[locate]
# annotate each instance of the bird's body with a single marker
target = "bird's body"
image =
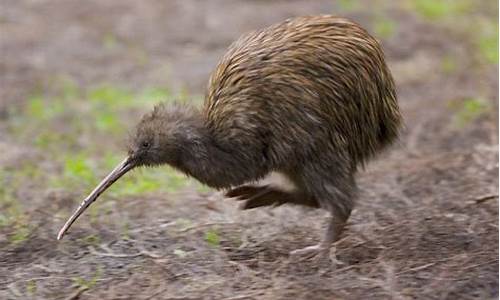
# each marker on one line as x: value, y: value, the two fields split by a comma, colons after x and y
x: 311, y: 92
x: 295, y: 88
x: 311, y: 98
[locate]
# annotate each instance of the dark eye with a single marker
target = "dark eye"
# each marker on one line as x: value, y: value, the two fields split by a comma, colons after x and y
x: 145, y: 144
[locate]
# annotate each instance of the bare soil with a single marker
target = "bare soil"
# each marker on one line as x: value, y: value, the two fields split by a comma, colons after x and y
x: 426, y: 223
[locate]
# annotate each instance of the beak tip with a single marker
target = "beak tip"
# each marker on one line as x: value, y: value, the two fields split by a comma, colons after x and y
x: 121, y: 169
x: 60, y: 235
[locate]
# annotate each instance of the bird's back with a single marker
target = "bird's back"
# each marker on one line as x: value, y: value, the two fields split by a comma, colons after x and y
x: 317, y: 83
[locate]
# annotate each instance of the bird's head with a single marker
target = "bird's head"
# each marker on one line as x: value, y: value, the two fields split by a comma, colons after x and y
x: 161, y: 137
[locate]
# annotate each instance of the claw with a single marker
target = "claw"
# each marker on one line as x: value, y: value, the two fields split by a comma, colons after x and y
x: 320, y: 254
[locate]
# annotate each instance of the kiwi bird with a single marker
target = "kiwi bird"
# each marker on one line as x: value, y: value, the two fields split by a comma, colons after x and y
x: 311, y: 98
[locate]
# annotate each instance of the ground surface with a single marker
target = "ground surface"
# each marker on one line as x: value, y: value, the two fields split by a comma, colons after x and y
x: 75, y: 76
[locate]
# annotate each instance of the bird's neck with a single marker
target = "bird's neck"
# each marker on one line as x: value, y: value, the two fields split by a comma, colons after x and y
x: 204, y: 160
x: 210, y: 161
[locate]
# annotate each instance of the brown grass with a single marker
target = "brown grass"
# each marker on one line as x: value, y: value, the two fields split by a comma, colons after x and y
x: 426, y: 224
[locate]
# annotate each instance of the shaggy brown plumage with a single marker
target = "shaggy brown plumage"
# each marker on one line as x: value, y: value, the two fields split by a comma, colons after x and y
x: 311, y: 98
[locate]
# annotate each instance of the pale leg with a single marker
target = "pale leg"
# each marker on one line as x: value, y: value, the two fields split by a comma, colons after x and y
x: 322, y: 250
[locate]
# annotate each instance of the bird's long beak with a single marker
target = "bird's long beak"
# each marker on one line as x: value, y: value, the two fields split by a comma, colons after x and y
x: 125, y: 166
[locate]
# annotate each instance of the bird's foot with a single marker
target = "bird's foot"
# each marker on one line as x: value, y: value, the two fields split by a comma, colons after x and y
x: 316, y: 251
x: 319, y: 253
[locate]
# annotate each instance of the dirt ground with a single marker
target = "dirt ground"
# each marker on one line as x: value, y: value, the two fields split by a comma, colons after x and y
x: 426, y: 222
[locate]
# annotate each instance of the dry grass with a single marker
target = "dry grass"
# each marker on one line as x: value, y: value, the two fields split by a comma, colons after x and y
x: 426, y: 224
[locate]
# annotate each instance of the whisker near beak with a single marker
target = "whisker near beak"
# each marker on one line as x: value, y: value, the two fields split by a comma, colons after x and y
x: 122, y: 168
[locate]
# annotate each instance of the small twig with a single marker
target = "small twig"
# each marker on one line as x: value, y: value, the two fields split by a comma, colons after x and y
x: 77, y: 293
x: 344, y: 269
x: 161, y: 291
x: 45, y: 278
x: 38, y: 279
x: 111, y: 254
x: 481, y: 264
x: 485, y: 198
x: 244, y: 296
x: 143, y: 229
x: 244, y: 269
x: 47, y: 269
x: 199, y: 226
x: 416, y: 268
x: 145, y: 252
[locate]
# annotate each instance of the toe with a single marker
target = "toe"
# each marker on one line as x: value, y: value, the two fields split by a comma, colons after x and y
x: 307, y: 252
x: 319, y: 254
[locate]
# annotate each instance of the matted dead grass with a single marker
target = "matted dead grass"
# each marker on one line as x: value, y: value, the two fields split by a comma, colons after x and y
x: 426, y: 224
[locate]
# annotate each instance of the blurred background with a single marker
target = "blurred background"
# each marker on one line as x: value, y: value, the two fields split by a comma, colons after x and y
x: 75, y: 77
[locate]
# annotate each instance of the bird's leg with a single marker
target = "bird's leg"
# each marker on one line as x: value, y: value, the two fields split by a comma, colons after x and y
x: 334, y: 188
x: 322, y: 250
